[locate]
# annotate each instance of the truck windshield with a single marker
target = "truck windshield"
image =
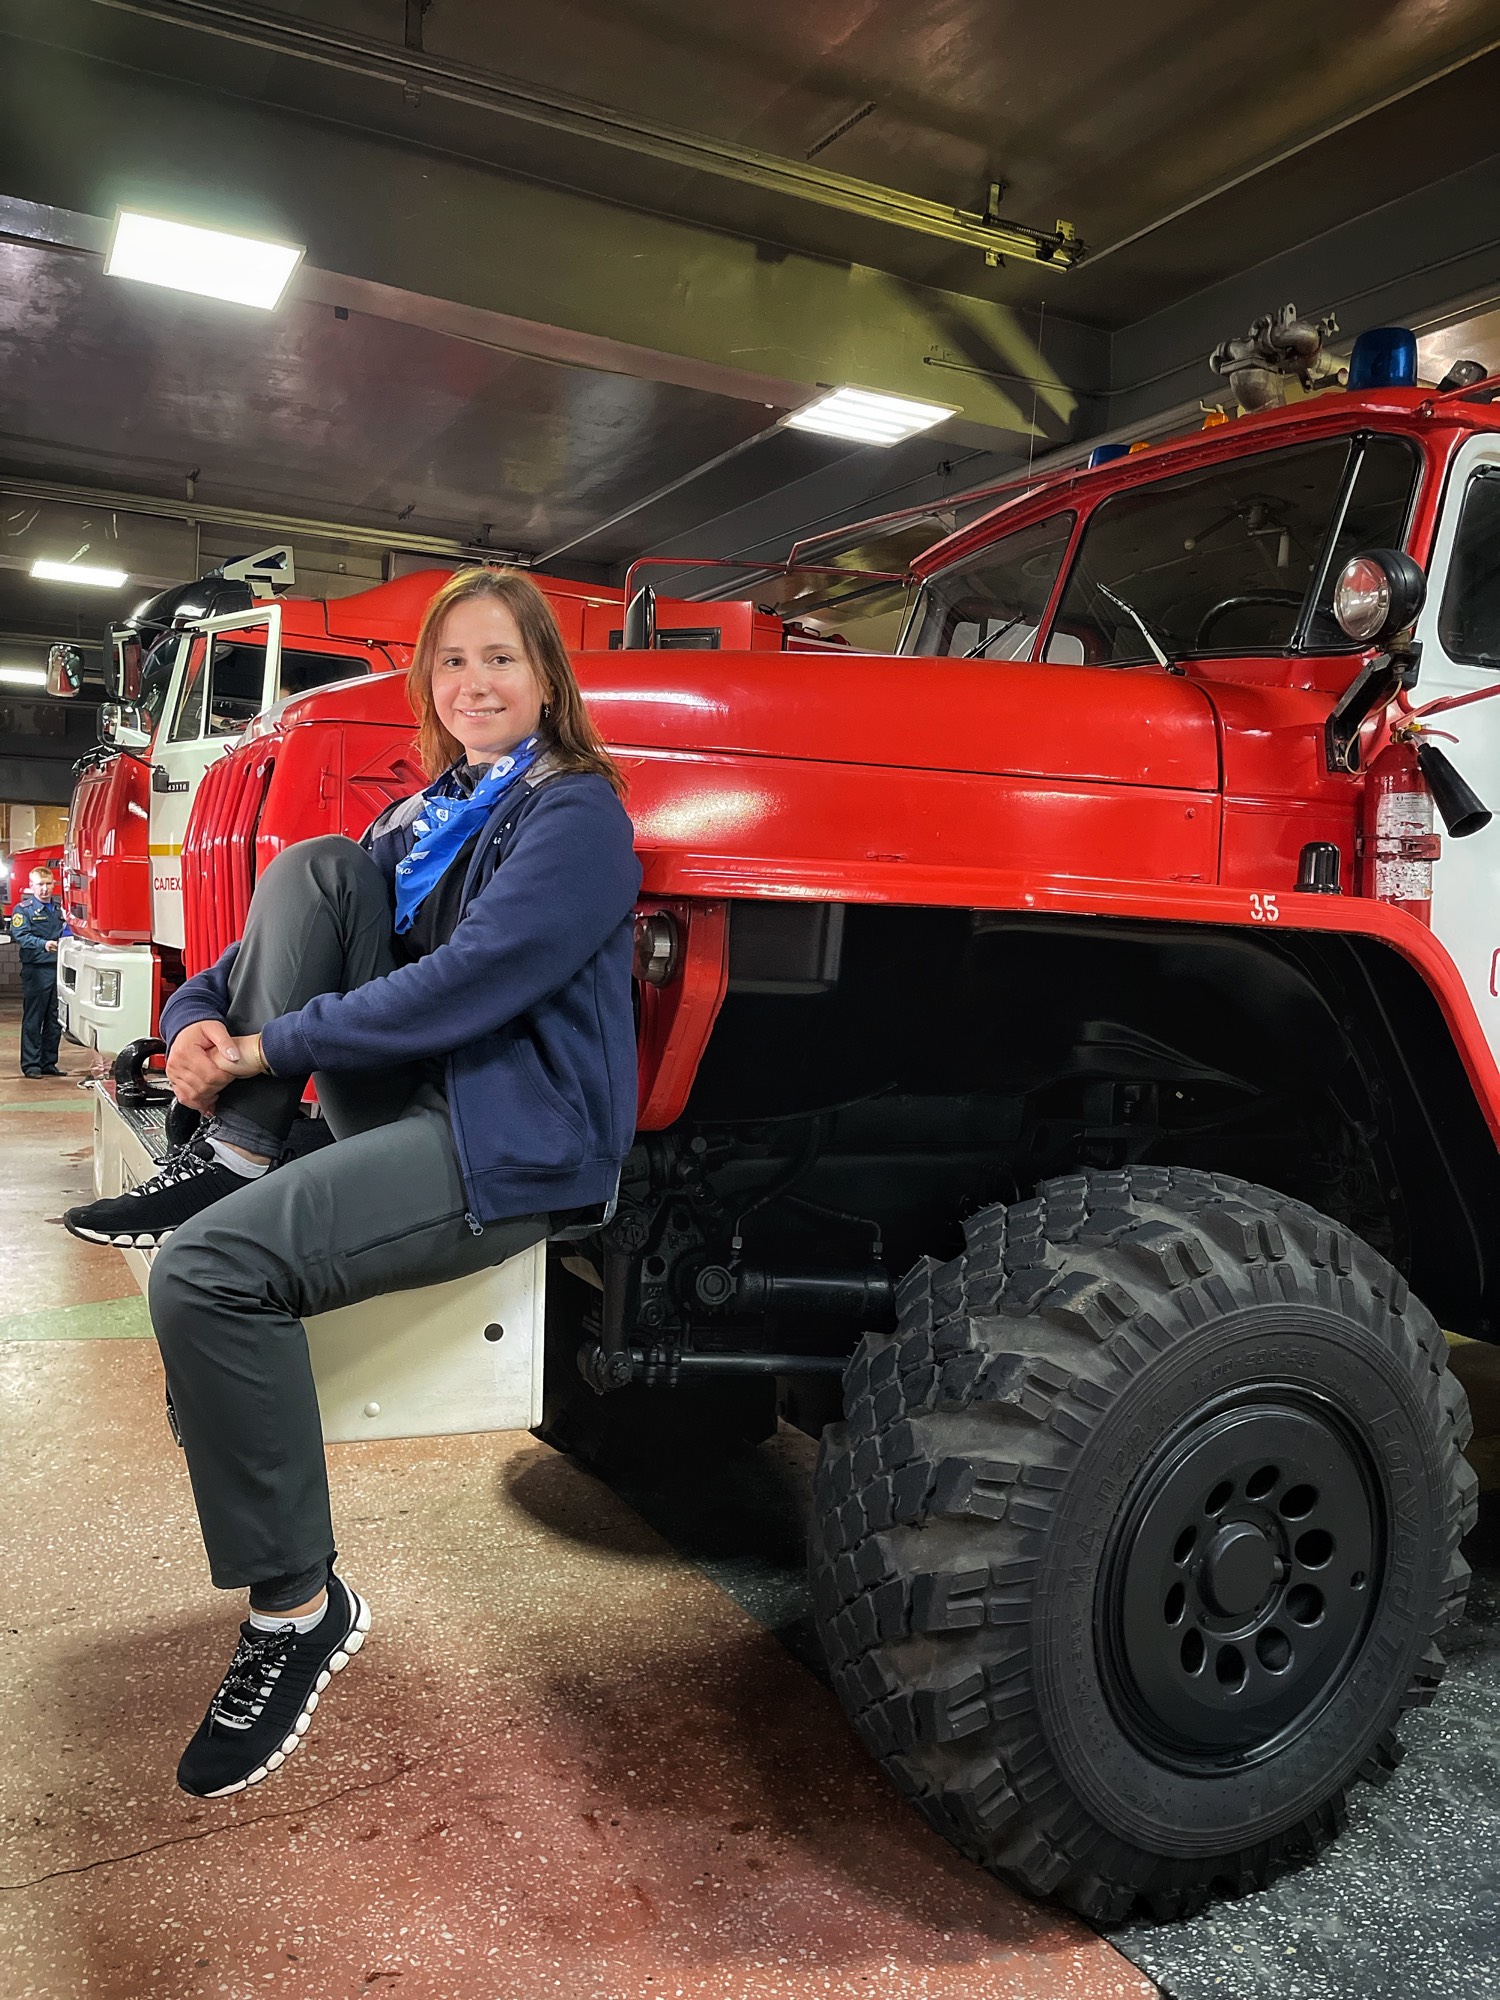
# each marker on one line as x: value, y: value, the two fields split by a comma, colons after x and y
x: 1469, y: 623
x: 990, y: 608
x: 1226, y: 558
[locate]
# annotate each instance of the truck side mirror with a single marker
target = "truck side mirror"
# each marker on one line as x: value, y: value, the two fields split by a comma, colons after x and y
x: 1378, y: 594
x: 121, y: 724
x: 122, y: 664
x: 64, y: 670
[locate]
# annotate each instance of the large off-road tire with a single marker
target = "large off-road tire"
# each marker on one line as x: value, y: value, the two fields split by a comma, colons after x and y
x: 1139, y: 1533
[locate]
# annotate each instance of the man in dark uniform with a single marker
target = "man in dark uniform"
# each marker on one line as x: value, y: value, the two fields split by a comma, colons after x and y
x: 35, y: 929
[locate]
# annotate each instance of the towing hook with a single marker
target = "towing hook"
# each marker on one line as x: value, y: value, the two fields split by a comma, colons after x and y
x: 605, y: 1372
x: 129, y: 1070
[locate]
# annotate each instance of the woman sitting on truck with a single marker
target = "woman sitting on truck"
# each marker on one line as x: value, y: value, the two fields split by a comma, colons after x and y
x: 459, y: 984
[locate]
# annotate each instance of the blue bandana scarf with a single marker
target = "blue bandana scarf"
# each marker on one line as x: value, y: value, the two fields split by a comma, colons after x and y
x: 446, y: 822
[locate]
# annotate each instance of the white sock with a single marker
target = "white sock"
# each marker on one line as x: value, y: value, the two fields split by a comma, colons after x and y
x: 250, y: 1170
x: 272, y: 1621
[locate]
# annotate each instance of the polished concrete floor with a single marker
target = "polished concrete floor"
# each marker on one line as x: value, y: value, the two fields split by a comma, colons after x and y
x: 572, y: 1760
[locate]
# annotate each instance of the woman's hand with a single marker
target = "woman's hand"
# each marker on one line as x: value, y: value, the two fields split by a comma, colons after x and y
x: 204, y: 1057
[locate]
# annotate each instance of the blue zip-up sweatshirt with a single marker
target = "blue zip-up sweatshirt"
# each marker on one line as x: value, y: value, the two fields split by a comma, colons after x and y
x: 529, y: 1001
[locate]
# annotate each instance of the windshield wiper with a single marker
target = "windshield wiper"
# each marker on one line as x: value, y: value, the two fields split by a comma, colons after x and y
x: 985, y: 644
x: 1138, y: 621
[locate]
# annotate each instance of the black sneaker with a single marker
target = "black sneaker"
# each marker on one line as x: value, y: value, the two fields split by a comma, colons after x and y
x: 266, y: 1700
x: 145, y: 1216
x: 52, y: 1072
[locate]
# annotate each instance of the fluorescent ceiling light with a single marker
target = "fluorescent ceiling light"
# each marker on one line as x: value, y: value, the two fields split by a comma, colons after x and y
x: 61, y: 572
x: 210, y: 263
x: 864, y: 416
x: 24, y: 677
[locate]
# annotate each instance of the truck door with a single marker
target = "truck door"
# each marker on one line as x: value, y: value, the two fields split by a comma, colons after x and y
x: 1460, y: 634
x: 226, y: 673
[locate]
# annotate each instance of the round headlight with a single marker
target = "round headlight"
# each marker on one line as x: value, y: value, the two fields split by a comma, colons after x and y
x: 1362, y: 599
x: 1379, y: 592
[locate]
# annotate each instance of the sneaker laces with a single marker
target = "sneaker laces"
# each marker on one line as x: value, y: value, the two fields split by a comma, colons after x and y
x: 253, y: 1673
x: 186, y: 1164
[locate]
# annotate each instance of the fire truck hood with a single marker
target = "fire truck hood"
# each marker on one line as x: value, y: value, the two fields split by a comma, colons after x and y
x: 1113, y: 725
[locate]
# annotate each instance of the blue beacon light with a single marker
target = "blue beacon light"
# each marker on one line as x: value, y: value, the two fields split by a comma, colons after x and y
x: 1104, y: 454
x: 1384, y: 357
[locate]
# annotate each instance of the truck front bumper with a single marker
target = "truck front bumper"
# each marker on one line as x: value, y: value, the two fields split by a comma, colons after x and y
x: 104, y: 993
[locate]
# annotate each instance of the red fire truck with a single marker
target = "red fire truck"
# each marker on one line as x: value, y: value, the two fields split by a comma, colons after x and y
x: 15, y: 871
x: 1068, y: 1084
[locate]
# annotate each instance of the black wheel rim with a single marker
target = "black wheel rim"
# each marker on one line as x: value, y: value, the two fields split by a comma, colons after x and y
x: 1240, y: 1579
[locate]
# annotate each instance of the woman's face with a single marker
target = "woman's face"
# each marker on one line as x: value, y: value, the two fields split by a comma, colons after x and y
x: 484, y: 688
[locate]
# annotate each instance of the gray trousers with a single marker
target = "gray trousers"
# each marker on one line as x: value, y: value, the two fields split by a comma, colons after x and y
x: 383, y: 1210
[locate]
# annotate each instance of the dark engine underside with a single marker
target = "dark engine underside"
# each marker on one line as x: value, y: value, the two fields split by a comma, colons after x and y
x: 877, y: 1075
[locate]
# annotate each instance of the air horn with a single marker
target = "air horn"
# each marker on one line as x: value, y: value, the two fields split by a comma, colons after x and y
x: 1463, y: 811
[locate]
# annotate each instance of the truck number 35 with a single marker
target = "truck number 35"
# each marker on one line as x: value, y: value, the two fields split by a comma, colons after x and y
x: 1263, y: 910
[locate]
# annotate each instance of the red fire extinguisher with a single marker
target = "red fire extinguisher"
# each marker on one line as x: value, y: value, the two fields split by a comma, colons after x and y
x: 1398, y: 844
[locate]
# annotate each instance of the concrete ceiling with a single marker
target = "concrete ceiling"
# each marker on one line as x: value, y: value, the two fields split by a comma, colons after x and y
x: 508, y: 334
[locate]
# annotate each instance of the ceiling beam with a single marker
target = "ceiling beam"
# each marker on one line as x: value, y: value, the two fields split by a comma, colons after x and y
x: 273, y: 527
x: 462, y: 247
x: 331, y: 47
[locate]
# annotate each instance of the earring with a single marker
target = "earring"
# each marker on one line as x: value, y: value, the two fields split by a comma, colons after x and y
x: 546, y: 710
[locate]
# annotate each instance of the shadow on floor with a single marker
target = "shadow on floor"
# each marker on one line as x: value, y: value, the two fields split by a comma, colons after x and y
x: 740, y: 1518
x: 1406, y: 1906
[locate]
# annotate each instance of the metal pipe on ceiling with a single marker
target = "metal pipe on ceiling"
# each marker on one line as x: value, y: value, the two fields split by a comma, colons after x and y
x: 461, y: 83
x: 197, y: 513
x: 658, y: 493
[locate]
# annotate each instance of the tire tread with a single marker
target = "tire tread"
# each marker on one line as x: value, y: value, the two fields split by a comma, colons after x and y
x: 968, y: 1418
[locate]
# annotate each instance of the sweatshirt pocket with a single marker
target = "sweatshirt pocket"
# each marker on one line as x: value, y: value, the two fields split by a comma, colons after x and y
x: 553, y: 1105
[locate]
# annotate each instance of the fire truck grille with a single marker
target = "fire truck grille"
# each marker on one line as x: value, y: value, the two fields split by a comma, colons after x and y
x: 218, y: 879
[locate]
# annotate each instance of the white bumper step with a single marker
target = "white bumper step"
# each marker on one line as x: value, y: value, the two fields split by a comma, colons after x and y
x: 423, y: 1363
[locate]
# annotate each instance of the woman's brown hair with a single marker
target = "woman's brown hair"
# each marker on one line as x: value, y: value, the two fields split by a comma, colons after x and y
x: 567, y: 728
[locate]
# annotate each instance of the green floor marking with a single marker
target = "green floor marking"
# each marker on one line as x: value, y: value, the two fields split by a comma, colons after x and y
x: 111, y: 1319
x: 78, y: 1103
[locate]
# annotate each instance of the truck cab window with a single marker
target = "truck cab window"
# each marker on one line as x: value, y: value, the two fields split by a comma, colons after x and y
x: 187, y: 717
x: 990, y: 608
x: 1469, y: 622
x: 1219, y: 560
x: 221, y: 689
x: 300, y: 672
x: 236, y: 679
x: 223, y: 699
x: 156, y: 677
